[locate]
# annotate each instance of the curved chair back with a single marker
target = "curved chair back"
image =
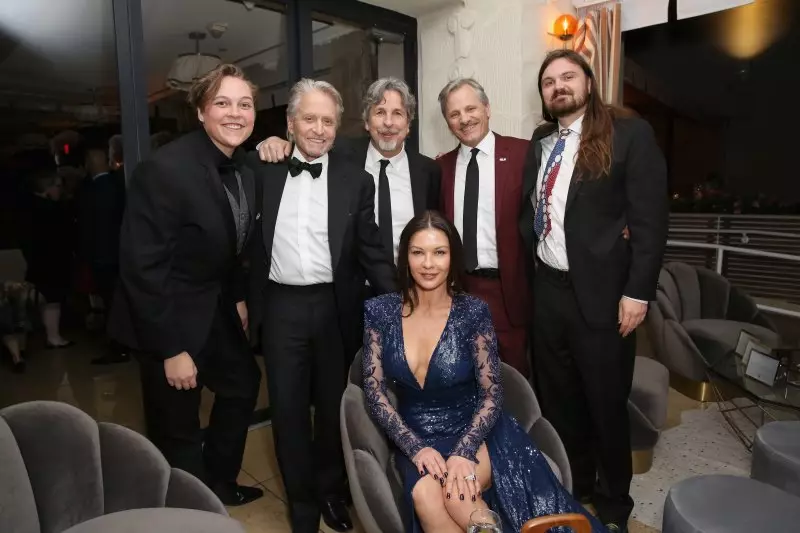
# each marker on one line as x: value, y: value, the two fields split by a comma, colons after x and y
x: 60, y: 468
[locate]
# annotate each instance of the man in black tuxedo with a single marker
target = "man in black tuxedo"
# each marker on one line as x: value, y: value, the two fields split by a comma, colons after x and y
x: 180, y: 302
x: 318, y: 239
x: 406, y: 182
x: 589, y: 173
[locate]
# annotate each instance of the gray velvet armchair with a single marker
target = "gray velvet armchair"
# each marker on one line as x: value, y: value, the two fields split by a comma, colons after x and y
x: 60, y: 471
x: 697, y: 318
x: 376, y: 486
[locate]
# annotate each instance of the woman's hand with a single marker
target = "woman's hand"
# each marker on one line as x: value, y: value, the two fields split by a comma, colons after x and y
x: 462, y: 478
x: 432, y: 461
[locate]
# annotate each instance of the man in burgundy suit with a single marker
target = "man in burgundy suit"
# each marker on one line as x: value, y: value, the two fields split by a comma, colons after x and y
x: 481, y: 191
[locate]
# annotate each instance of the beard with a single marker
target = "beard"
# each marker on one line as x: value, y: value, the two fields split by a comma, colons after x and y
x: 388, y: 146
x: 566, y: 106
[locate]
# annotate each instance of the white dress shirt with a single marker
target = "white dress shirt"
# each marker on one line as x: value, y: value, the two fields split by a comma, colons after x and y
x: 552, y: 250
x: 301, y: 254
x: 399, y: 190
x: 487, y: 229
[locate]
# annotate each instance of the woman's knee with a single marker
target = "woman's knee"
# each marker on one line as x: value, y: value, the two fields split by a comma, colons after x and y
x: 427, y: 498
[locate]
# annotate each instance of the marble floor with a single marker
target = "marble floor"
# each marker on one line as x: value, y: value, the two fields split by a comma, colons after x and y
x: 112, y: 393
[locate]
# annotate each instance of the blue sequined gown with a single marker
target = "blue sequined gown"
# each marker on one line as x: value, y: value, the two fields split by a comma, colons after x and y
x: 458, y: 407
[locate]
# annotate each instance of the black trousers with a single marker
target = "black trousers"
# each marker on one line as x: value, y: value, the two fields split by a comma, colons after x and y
x: 304, y: 357
x: 172, y: 416
x: 583, y: 379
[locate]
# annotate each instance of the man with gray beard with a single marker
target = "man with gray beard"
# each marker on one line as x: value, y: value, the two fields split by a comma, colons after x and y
x: 406, y: 182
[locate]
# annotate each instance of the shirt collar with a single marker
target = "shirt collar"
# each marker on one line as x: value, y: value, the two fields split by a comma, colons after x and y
x: 374, y: 156
x: 219, y: 159
x: 322, y: 159
x: 575, y: 127
x: 486, y: 146
x: 99, y: 174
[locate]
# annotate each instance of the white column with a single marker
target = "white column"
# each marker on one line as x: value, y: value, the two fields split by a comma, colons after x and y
x: 501, y: 43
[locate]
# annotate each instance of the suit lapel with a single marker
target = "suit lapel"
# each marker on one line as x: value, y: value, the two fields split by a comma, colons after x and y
x: 338, y: 208
x: 419, y: 187
x: 273, y: 179
x: 448, y: 166
x: 214, y: 182
x: 574, y: 186
x: 501, y: 164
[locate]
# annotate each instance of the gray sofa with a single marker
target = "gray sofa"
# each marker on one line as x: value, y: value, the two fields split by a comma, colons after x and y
x: 374, y: 482
x: 697, y: 317
x: 64, y: 472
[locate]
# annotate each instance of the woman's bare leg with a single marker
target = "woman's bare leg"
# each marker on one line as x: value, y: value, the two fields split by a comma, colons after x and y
x: 460, y: 510
x: 430, y: 507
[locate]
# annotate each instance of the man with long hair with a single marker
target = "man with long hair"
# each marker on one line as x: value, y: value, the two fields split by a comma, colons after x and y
x: 591, y: 171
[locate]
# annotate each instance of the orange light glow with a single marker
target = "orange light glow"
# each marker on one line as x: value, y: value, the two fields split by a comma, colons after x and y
x: 565, y: 26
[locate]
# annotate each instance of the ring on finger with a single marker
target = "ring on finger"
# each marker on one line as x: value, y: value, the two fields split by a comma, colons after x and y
x: 471, y: 477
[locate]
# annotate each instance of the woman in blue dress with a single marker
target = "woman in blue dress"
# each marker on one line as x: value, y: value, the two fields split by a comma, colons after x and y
x: 457, y: 450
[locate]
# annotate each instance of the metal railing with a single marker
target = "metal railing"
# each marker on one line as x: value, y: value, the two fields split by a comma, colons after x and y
x: 757, y: 253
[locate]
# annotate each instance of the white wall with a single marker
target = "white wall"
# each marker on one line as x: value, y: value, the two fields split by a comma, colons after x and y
x: 504, y: 48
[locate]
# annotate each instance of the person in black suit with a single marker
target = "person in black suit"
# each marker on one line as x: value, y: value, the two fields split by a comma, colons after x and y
x: 318, y: 241
x: 101, y: 202
x: 589, y: 173
x: 182, y: 298
x: 407, y: 183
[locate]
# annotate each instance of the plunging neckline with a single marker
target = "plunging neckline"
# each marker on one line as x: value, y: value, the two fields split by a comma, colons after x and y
x: 424, y: 384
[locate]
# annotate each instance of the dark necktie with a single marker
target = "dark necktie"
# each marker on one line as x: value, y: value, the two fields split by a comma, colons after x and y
x: 470, y: 214
x: 385, y: 210
x: 227, y: 172
x: 296, y: 167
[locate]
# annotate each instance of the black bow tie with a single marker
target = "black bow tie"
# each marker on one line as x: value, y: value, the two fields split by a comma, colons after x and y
x: 296, y: 167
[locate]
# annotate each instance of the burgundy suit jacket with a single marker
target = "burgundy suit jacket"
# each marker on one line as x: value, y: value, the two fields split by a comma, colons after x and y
x: 510, y: 153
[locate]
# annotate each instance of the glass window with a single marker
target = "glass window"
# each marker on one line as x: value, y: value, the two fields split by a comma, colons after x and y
x: 183, y: 39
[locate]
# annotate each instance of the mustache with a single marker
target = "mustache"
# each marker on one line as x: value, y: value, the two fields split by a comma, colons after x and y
x: 561, y: 92
x: 468, y: 124
x: 389, y: 131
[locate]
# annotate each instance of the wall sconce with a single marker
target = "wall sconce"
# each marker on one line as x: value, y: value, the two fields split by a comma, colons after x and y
x: 565, y: 28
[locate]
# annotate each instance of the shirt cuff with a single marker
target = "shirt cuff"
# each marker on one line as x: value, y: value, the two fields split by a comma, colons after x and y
x: 635, y: 300
x: 258, y: 146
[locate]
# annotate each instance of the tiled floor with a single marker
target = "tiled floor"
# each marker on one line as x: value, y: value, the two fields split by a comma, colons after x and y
x: 112, y: 394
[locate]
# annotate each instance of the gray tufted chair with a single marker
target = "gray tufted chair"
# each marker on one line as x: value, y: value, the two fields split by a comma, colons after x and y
x: 376, y: 486
x: 697, y: 318
x: 60, y: 471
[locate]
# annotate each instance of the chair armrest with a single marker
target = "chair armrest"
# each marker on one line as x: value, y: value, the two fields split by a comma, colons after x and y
x: 577, y: 522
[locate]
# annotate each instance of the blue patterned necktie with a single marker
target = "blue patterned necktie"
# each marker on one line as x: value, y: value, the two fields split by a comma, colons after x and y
x: 541, y: 218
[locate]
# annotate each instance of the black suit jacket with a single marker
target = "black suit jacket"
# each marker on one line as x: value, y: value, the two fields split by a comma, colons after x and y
x: 426, y: 176
x: 355, y: 245
x: 101, y: 206
x: 178, y: 259
x: 603, y: 265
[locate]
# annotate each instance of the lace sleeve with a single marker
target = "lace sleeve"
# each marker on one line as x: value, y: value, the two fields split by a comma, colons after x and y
x: 490, y: 387
x: 378, y: 403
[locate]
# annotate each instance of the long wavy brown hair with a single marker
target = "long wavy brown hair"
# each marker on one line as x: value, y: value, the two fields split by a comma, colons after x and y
x: 595, y: 152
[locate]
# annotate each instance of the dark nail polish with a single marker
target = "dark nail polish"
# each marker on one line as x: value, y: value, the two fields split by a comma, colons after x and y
x: 473, y: 498
x: 441, y: 481
x: 448, y: 495
x: 461, y: 497
x: 436, y: 477
x: 421, y: 473
x: 445, y: 474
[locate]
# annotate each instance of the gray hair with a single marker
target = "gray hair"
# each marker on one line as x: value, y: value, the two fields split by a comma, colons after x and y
x: 457, y: 84
x: 305, y: 86
x: 375, y: 95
